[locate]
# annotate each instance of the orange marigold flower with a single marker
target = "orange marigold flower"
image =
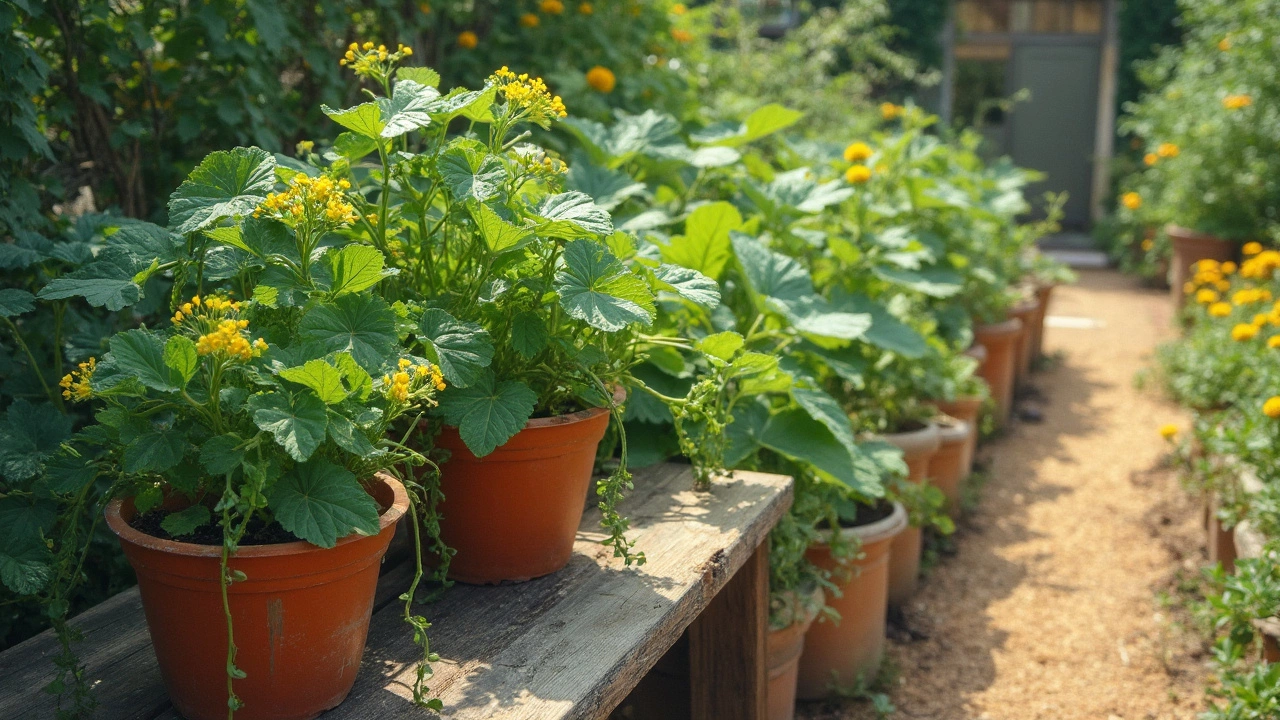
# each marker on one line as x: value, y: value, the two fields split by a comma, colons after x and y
x: 858, y: 174
x: 1220, y: 309
x: 586, y: 8
x: 1167, y: 150
x: 467, y: 40
x: 529, y: 20
x: 1236, y: 102
x: 1131, y: 200
x: 681, y: 36
x: 1271, y: 408
x: 551, y: 7
x: 1251, y: 248
x: 1150, y: 159
x: 601, y: 79
x: 1243, y: 332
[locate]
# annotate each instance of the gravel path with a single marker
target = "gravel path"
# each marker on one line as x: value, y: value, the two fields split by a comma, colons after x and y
x: 1048, y: 607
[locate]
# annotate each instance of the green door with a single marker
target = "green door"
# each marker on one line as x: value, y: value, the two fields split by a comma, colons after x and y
x: 1053, y: 132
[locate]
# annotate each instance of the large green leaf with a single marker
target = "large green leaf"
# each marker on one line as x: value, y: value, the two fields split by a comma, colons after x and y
x: 421, y: 75
x: 181, y: 357
x: 361, y: 324
x: 364, y: 119
x: 227, y: 183
x: 462, y: 349
x: 528, y: 333
x: 156, y: 449
x: 407, y: 109
x: 471, y: 172
x: 106, y: 282
x: 30, y: 434
x: 886, y: 331
x: 24, y: 558
x: 14, y: 302
x: 322, y: 503
x: 298, y: 421
x: 355, y: 268
x: 487, y: 414
x: 348, y: 436
x: 184, y: 522
x: 597, y: 289
x: 822, y: 407
x: 797, y: 436
x: 221, y: 454
x: 705, y: 244
x: 499, y: 235
x: 762, y: 122
x: 573, y: 215
x: 608, y: 188
x: 324, y: 379
x: 769, y: 273
x: 688, y: 284
x: 935, y: 282
x: 140, y: 354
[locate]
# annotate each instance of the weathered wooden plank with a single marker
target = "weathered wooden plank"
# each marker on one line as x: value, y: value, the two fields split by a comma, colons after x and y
x: 735, y: 625
x: 569, y: 645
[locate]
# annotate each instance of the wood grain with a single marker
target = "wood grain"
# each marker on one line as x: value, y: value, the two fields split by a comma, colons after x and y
x: 569, y: 645
x: 734, y: 626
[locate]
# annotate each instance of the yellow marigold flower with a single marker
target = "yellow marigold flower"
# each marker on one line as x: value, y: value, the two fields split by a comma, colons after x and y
x: 1220, y: 309
x: 1206, y: 296
x: 1222, y: 285
x: 586, y: 8
x: 551, y: 7
x: 857, y: 152
x: 1147, y: 244
x: 679, y: 9
x: 1150, y: 159
x: 1207, y: 265
x: 529, y: 20
x: 1271, y: 408
x: 681, y: 36
x: 1168, y: 431
x: 1273, y: 342
x: 424, y: 8
x: 1167, y: 150
x: 1131, y: 200
x: 1188, y: 288
x: 1259, y: 320
x: 1236, y: 102
x: 75, y: 385
x: 1224, y: 44
x: 601, y: 79
x: 857, y: 174
x: 889, y: 111
x: 367, y: 46
x: 305, y: 146
x: 1243, y: 332
x: 1251, y: 248
x: 1227, y: 267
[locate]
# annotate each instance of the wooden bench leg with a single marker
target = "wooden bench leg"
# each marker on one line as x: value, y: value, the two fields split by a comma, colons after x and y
x: 727, y: 655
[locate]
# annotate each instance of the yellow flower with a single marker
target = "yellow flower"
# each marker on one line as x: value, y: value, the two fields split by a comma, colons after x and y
x: 1220, y: 309
x: 75, y: 385
x: 681, y: 36
x: 467, y: 40
x: 1188, y: 288
x: 1147, y: 244
x: 529, y: 20
x: 1227, y: 267
x: 889, y: 111
x: 318, y: 200
x: 1243, y: 332
x: 601, y: 79
x: 551, y: 7
x: 1273, y: 342
x: 679, y: 9
x: 586, y: 8
x: 857, y: 174
x: 1236, y: 102
x: 424, y: 8
x: 1224, y: 44
x: 530, y: 94
x: 857, y: 152
x: 1168, y: 431
x: 1167, y: 150
x: 1251, y: 248
x: 1150, y: 159
x: 1131, y: 200
x: 1259, y: 320
x: 1271, y: 408
x: 1206, y: 296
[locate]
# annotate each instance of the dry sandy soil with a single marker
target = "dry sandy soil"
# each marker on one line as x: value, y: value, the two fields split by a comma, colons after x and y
x: 1049, y: 604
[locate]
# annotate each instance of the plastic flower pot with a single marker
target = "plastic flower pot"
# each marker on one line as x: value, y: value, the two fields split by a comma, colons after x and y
x: 300, y: 618
x: 1026, y: 312
x: 838, y: 653
x: 918, y: 449
x: 947, y: 467
x: 784, y: 645
x: 1001, y: 341
x: 1043, y: 295
x: 513, y: 514
x: 1189, y: 248
x: 968, y: 410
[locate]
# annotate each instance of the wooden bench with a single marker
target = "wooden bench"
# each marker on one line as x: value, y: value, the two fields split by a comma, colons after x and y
x: 570, y: 645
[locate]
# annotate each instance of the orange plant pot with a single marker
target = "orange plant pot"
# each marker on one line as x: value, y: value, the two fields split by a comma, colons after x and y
x: 300, y: 619
x: 947, y: 467
x: 513, y: 514
x: 1189, y: 248
x: 918, y: 449
x: 784, y: 646
x: 1043, y: 294
x: 967, y: 409
x: 1001, y: 341
x: 1026, y: 313
x: 1220, y: 541
x: 837, y: 654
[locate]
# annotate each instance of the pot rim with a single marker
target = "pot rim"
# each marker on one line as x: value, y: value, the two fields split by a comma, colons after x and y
x: 619, y: 397
x: 977, y: 351
x: 952, y: 430
x: 1185, y: 233
x: 126, y: 532
x: 1010, y: 326
x: 882, y: 529
x: 818, y: 598
x: 925, y: 440
x: 1025, y: 306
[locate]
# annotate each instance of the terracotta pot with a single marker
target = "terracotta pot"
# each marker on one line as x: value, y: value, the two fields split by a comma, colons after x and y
x: 918, y: 448
x: 300, y: 619
x: 784, y: 647
x: 977, y: 352
x: 1043, y: 295
x: 947, y: 468
x: 1001, y: 341
x: 1190, y: 247
x: 1025, y: 312
x: 967, y: 409
x: 836, y: 654
x: 1221, y: 541
x: 513, y: 514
